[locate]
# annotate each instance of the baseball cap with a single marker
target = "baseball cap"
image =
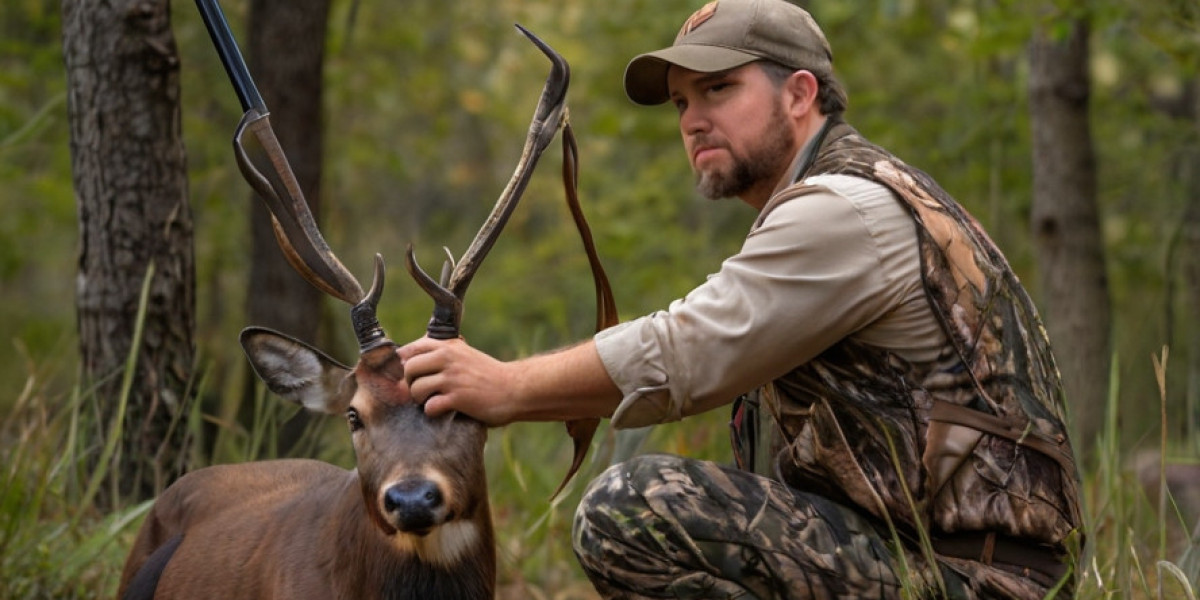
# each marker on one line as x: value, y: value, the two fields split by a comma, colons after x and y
x: 725, y: 34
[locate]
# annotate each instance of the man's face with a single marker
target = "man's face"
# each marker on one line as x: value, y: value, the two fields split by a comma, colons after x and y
x: 734, y: 129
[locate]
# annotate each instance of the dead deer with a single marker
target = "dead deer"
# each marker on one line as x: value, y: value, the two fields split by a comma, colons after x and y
x: 413, y: 520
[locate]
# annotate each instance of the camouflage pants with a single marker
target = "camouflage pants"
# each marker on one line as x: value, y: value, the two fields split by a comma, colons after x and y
x: 663, y: 526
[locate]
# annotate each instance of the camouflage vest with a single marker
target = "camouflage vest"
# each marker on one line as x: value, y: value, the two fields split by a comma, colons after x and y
x: 972, y: 441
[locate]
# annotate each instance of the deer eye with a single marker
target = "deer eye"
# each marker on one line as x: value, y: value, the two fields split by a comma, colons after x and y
x: 353, y: 419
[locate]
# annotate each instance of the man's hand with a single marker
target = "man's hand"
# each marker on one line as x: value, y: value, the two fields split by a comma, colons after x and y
x: 569, y: 383
x: 449, y: 375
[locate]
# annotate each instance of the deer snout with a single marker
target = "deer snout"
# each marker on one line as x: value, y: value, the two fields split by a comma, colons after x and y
x: 415, y: 505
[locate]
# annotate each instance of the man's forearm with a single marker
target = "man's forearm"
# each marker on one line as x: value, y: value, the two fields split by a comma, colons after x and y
x: 571, y: 383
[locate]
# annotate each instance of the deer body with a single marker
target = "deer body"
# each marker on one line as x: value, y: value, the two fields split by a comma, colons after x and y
x: 413, y: 521
x: 306, y: 537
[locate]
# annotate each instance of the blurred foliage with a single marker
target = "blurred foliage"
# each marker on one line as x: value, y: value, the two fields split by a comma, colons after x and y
x: 427, y: 103
x: 37, y: 233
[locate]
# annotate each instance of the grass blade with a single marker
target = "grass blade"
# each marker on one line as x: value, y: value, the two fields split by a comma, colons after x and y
x: 115, y: 430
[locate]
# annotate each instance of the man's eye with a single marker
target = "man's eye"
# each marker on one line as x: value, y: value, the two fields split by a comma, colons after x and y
x: 353, y: 420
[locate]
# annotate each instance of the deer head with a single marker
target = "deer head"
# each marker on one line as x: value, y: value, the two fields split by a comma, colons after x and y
x: 418, y: 475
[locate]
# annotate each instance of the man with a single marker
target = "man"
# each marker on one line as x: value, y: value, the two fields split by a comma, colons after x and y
x: 898, y: 417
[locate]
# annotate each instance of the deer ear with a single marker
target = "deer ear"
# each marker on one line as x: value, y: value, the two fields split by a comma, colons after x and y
x: 298, y: 372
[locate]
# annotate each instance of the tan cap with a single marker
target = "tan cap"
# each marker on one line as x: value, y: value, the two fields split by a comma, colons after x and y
x: 730, y: 33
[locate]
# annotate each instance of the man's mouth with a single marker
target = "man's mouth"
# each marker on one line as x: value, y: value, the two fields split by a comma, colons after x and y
x: 703, y: 153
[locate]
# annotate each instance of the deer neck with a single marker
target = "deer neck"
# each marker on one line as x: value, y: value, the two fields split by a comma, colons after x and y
x: 456, y: 560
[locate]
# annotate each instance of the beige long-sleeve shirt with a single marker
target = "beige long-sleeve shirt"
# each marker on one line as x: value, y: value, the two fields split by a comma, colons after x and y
x: 815, y: 268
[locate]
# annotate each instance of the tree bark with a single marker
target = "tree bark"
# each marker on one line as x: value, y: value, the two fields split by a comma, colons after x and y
x: 1066, y: 227
x: 286, y: 54
x: 129, y: 172
x: 1187, y: 111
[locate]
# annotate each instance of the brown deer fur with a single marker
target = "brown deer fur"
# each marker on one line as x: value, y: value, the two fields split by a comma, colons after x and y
x: 307, y: 529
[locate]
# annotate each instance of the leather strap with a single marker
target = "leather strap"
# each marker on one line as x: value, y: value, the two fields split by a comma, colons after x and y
x: 1022, y: 436
x: 1035, y: 561
x: 1040, y: 563
x: 606, y: 306
x: 583, y: 430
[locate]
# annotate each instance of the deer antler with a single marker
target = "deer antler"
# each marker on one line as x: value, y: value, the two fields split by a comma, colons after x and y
x: 272, y: 177
x: 550, y: 116
x: 296, y: 230
x: 293, y: 223
x: 547, y: 119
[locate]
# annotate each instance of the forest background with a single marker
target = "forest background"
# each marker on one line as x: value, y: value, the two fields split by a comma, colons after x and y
x: 425, y: 105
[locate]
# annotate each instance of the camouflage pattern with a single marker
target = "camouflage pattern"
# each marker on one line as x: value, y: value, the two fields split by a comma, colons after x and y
x: 860, y: 454
x: 663, y: 526
x: 973, y: 441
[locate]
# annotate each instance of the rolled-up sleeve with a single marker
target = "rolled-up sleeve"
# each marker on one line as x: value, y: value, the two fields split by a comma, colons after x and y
x: 809, y: 274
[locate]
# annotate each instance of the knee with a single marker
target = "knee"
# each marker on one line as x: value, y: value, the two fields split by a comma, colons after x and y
x: 596, y: 507
x: 626, y: 482
x: 614, y: 498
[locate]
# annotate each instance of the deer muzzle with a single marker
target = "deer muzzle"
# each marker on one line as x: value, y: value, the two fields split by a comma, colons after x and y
x: 415, y: 506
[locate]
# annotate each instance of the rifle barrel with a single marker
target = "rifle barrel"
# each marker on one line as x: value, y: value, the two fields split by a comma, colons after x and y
x: 231, y: 55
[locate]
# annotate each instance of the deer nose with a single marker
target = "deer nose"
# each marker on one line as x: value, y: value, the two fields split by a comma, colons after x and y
x: 414, y: 504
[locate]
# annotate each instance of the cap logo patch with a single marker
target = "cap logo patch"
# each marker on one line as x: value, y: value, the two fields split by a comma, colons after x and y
x: 697, y: 19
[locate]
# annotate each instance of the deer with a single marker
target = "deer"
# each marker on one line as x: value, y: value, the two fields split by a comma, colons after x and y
x: 413, y: 519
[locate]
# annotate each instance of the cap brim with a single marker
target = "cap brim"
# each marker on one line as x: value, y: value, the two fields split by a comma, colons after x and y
x: 646, y: 75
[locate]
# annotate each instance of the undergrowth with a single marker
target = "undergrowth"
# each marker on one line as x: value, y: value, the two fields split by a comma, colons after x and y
x: 55, y: 544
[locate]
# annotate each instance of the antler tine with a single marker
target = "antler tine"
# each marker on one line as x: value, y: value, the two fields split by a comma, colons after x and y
x: 293, y: 223
x: 546, y: 122
x: 366, y: 326
x: 447, y: 307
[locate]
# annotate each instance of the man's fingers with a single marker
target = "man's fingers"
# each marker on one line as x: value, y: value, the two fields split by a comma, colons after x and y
x: 436, y: 376
x: 416, y: 348
x: 420, y: 365
x: 424, y: 386
x: 437, y: 405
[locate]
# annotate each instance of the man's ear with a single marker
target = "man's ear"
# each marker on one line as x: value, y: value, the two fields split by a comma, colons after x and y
x: 800, y: 93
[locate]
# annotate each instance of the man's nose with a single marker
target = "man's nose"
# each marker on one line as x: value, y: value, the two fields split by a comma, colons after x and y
x: 693, y: 120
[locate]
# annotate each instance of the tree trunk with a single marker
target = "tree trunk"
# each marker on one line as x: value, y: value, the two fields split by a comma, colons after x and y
x: 1191, y: 266
x: 1066, y: 227
x: 129, y: 171
x: 1187, y: 111
x: 286, y: 54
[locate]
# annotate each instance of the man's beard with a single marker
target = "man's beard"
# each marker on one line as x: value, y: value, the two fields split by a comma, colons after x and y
x: 764, y: 160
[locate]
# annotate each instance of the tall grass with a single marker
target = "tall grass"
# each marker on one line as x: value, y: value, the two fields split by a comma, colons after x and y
x: 54, y: 544
x: 1129, y: 555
